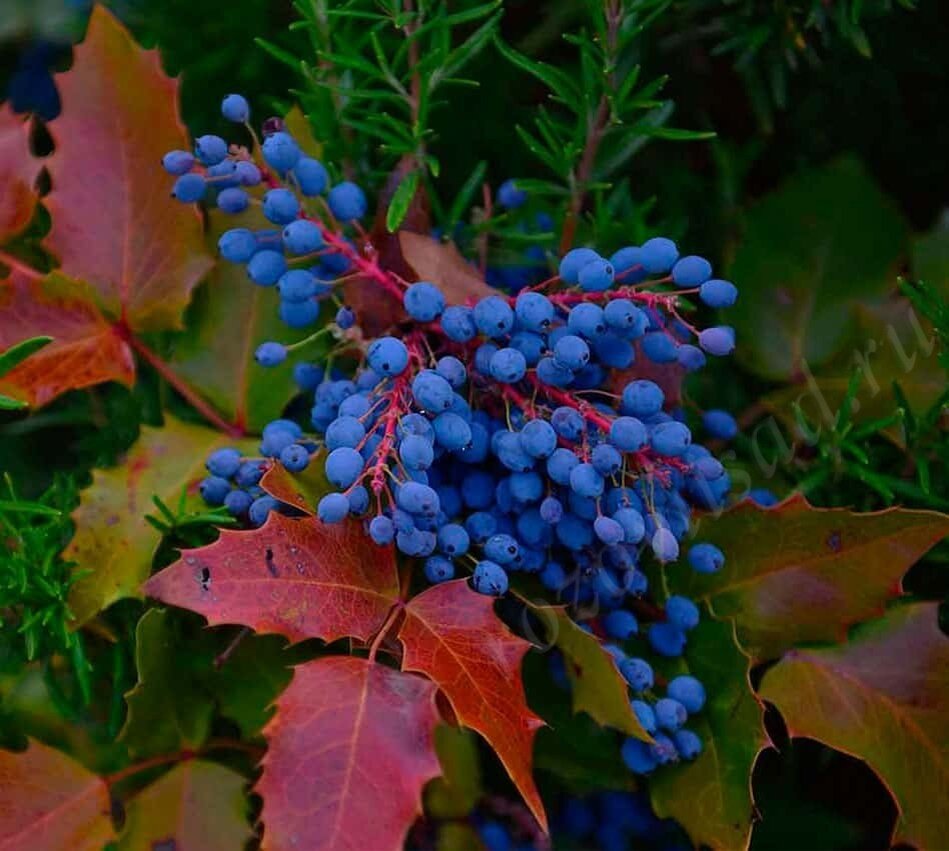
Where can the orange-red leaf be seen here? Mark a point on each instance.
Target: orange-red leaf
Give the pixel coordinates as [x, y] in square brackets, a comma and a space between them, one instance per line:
[301, 490]
[85, 349]
[350, 748]
[18, 171]
[296, 577]
[48, 802]
[452, 635]
[881, 698]
[114, 222]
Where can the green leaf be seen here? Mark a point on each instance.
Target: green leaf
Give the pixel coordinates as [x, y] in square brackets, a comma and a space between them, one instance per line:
[465, 195]
[711, 797]
[596, 684]
[20, 352]
[823, 243]
[457, 791]
[795, 573]
[881, 697]
[187, 674]
[558, 81]
[228, 319]
[114, 544]
[401, 200]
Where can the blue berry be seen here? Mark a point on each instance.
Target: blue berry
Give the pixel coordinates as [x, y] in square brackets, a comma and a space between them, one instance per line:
[688, 691]
[189, 188]
[224, 463]
[659, 255]
[347, 201]
[233, 200]
[270, 354]
[178, 162]
[238, 502]
[299, 314]
[423, 301]
[345, 318]
[670, 714]
[638, 673]
[508, 366]
[670, 439]
[638, 756]
[534, 311]
[344, 465]
[664, 545]
[720, 424]
[214, 490]
[237, 245]
[266, 267]
[706, 558]
[381, 530]
[311, 176]
[573, 261]
[281, 151]
[438, 569]
[628, 264]
[294, 458]
[587, 320]
[688, 744]
[718, 294]
[210, 149]
[260, 509]
[388, 356]
[458, 324]
[235, 108]
[333, 508]
[691, 271]
[571, 352]
[645, 715]
[247, 174]
[642, 398]
[296, 285]
[620, 624]
[510, 197]
[596, 276]
[302, 236]
[628, 434]
[281, 206]
[666, 639]
[489, 578]
[719, 340]
[493, 316]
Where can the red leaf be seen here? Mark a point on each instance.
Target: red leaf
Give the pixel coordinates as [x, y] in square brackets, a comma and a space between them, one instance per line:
[299, 578]
[114, 222]
[442, 264]
[18, 171]
[350, 748]
[48, 802]
[452, 635]
[85, 351]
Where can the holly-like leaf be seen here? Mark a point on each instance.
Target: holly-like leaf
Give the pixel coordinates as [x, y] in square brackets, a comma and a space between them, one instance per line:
[114, 222]
[301, 490]
[711, 797]
[452, 635]
[823, 242]
[296, 577]
[795, 573]
[85, 349]
[229, 318]
[881, 698]
[48, 801]
[18, 173]
[442, 264]
[350, 748]
[114, 542]
[596, 684]
[197, 806]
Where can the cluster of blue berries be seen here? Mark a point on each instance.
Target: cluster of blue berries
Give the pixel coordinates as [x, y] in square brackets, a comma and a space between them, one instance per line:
[293, 256]
[503, 437]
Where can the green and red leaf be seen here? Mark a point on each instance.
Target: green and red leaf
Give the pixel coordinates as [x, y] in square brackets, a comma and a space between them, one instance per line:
[50, 802]
[197, 806]
[795, 573]
[299, 578]
[114, 544]
[881, 698]
[452, 635]
[350, 748]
